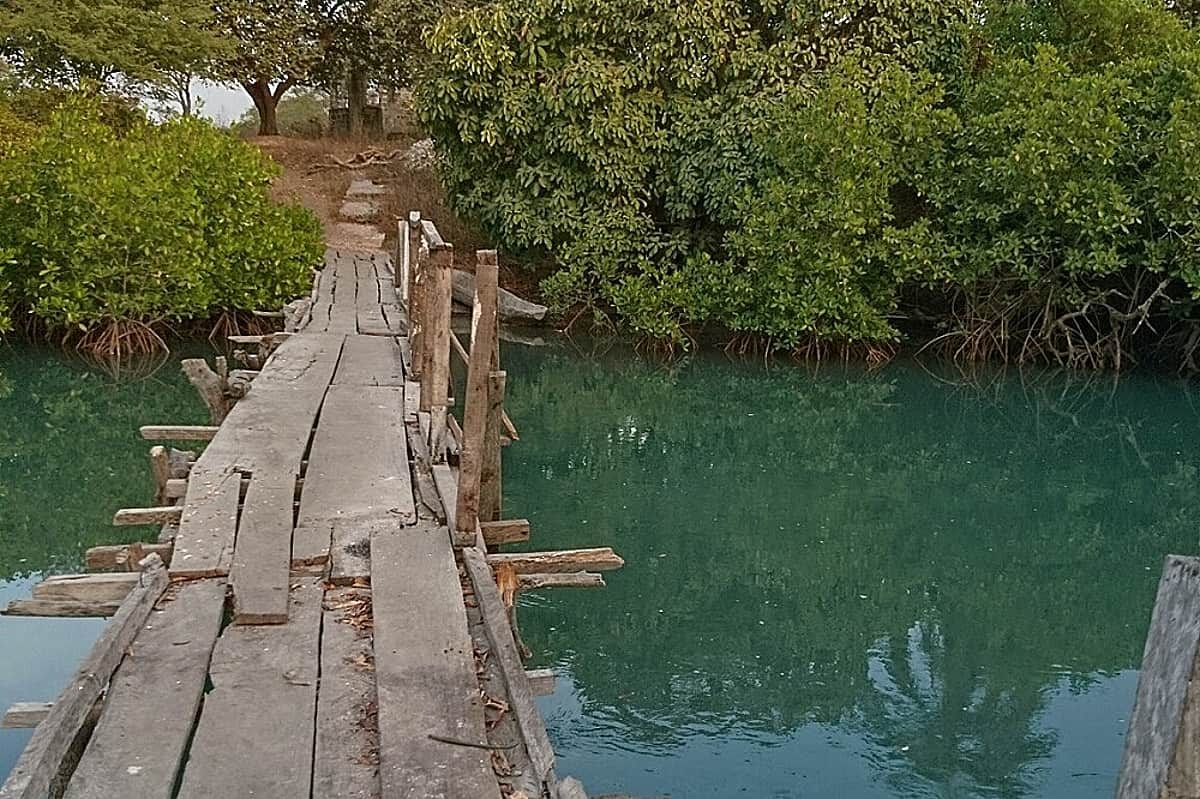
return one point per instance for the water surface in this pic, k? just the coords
(839, 583)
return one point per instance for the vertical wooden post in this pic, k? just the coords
(412, 249)
(160, 467)
(435, 379)
(491, 496)
(400, 263)
(475, 410)
(418, 259)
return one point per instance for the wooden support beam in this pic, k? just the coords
(475, 411)
(160, 469)
(30, 778)
(50, 608)
(504, 649)
(417, 278)
(178, 432)
(124, 557)
(435, 382)
(509, 531)
(25, 715)
(541, 681)
(491, 495)
(209, 385)
(556, 562)
(164, 514)
(112, 587)
(532, 582)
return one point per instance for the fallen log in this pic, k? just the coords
(564, 560)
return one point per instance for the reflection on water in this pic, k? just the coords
(838, 584)
(847, 583)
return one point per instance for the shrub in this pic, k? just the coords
(153, 224)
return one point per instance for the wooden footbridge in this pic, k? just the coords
(325, 612)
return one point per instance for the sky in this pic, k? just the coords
(222, 103)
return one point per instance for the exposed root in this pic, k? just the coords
(121, 339)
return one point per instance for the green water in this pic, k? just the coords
(839, 583)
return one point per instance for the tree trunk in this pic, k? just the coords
(265, 103)
(358, 101)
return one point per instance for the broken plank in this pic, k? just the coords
(50, 608)
(272, 669)
(508, 531)
(262, 557)
(350, 556)
(370, 361)
(164, 514)
(123, 557)
(345, 764)
(25, 715)
(138, 745)
(425, 671)
(208, 527)
(504, 648)
(178, 432)
(563, 560)
(39, 763)
(541, 681)
(532, 582)
(86, 587)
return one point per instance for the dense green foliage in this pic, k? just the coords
(148, 225)
(812, 172)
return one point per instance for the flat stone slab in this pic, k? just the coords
(365, 188)
(359, 211)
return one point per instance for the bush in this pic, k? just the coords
(153, 224)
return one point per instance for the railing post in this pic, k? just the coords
(491, 497)
(414, 286)
(475, 406)
(435, 379)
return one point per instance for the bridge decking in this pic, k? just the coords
(320, 635)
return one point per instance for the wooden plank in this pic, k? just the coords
(425, 490)
(150, 709)
(570, 788)
(435, 379)
(178, 432)
(491, 495)
(271, 669)
(508, 531)
(541, 681)
(163, 514)
(39, 762)
(563, 560)
(532, 582)
(1168, 664)
(412, 399)
(350, 556)
(50, 608)
(345, 764)
(447, 486)
(208, 527)
(357, 468)
(25, 715)
(124, 557)
(425, 671)
(475, 411)
(262, 559)
(504, 649)
(370, 361)
(86, 587)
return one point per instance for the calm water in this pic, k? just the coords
(838, 583)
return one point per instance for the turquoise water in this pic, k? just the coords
(839, 583)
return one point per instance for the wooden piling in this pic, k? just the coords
(490, 483)
(435, 382)
(418, 256)
(475, 411)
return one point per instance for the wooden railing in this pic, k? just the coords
(424, 284)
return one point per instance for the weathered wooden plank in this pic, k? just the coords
(491, 495)
(1156, 725)
(25, 715)
(164, 514)
(357, 468)
(504, 649)
(150, 708)
(208, 527)
(425, 671)
(86, 587)
(262, 559)
(447, 485)
(39, 762)
(475, 411)
(425, 491)
(563, 560)
(370, 361)
(264, 682)
(412, 399)
(346, 761)
(541, 681)
(532, 582)
(350, 555)
(508, 531)
(124, 557)
(178, 432)
(570, 788)
(50, 608)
